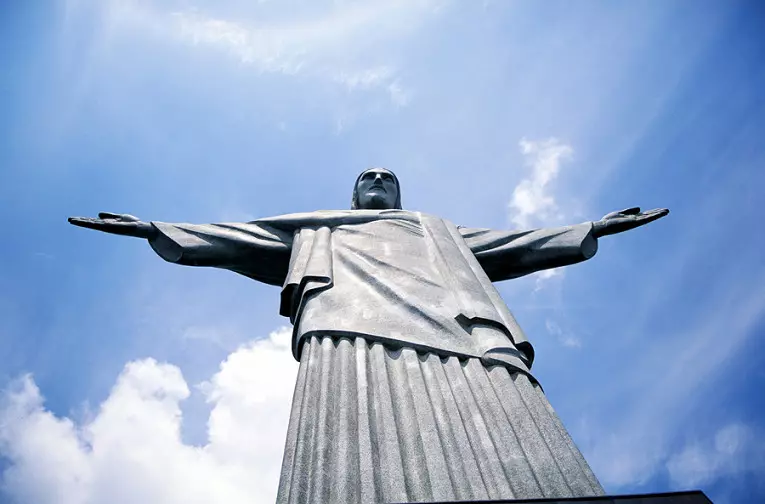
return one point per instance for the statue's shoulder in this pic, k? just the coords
(435, 219)
(334, 218)
(304, 219)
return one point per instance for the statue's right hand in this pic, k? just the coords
(122, 224)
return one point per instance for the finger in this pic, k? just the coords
(661, 212)
(108, 215)
(611, 215)
(622, 213)
(108, 226)
(652, 215)
(86, 222)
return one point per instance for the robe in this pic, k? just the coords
(383, 296)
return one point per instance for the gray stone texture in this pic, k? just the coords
(415, 379)
(377, 424)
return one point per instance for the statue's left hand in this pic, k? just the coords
(121, 224)
(624, 220)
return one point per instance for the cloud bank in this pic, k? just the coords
(131, 450)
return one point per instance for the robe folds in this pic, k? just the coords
(394, 276)
(414, 379)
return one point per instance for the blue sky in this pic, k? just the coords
(127, 379)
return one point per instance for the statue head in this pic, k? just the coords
(376, 189)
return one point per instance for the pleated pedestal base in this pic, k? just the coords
(372, 424)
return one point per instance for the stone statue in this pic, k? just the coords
(414, 380)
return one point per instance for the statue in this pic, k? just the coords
(414, 380)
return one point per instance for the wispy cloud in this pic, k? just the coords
(566, 338)
(366, 79)
(543, 276)
(533, 201)
(131, 450)
(735, 448)
(399, 95)
(636, 447)
(350, 44)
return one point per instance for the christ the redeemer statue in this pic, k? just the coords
(414, 380)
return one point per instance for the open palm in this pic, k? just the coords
(624, 220)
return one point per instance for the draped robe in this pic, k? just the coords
(367, 290)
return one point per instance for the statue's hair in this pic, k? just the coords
(355, 198)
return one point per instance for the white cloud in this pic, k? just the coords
(131, 451)
(667, 381)
(735, 448)
(545, 275)
(270, 49)
(532, 201)
(351, 44)
(366, 79)
(398, 95)
(565, 338)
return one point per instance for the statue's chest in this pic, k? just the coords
(397, 249)
(391, 240)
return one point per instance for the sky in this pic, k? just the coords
(125, 379)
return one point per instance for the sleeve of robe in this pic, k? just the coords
(258, 251)
(510, 254)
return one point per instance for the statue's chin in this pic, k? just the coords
(375, 202)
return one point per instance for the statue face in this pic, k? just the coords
(377, 190)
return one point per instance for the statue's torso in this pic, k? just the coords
(395, 279)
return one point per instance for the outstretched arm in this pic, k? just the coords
(511, 254)
(259, 251)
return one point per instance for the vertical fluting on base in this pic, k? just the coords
(372, 424)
